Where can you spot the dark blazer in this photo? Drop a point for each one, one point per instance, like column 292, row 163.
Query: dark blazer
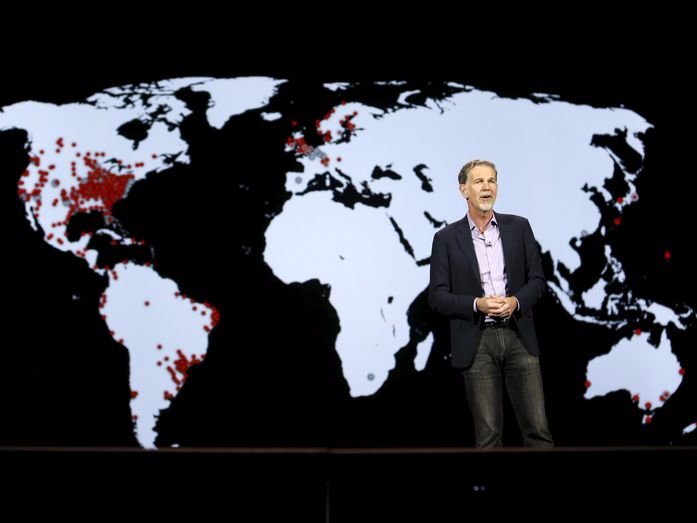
column 455, row 283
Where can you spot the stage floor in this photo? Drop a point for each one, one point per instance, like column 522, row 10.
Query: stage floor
column 309, row 484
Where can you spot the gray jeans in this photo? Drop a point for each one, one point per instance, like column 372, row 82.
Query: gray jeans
column 502, row 357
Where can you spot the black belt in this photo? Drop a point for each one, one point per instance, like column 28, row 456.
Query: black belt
column 497, row 324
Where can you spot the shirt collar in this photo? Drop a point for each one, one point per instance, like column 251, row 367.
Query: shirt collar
column 472, row 224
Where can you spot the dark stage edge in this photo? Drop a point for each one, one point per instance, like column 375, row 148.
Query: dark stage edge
column 317, row 484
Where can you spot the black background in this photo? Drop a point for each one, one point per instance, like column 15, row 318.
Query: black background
column 277, row 380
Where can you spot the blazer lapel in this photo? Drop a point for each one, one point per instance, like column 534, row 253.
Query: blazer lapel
column 506, row 241
column 464, row 240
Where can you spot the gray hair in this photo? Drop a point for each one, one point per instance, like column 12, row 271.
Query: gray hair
column 464, row 172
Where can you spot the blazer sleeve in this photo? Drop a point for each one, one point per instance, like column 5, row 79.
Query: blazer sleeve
column 441, row 297
column 535, row 283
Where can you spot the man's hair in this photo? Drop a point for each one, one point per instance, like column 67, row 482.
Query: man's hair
column 464, row 172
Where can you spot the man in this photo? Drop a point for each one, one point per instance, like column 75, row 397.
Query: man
column 486, row 275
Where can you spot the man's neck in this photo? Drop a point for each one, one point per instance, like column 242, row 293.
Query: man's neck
column 481, row 219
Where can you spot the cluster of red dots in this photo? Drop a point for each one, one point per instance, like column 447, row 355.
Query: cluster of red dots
column 648, row 405
column 215, row 315
column 100, row 186
column 346, row 122
column 300, row 145
column 179, row 371
column 99, row 190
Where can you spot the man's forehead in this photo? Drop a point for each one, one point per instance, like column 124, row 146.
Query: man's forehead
column 482, row 169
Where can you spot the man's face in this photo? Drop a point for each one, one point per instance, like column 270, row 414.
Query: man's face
column 480, row 189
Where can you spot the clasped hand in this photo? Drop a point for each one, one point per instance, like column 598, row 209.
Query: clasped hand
column 500, row 307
